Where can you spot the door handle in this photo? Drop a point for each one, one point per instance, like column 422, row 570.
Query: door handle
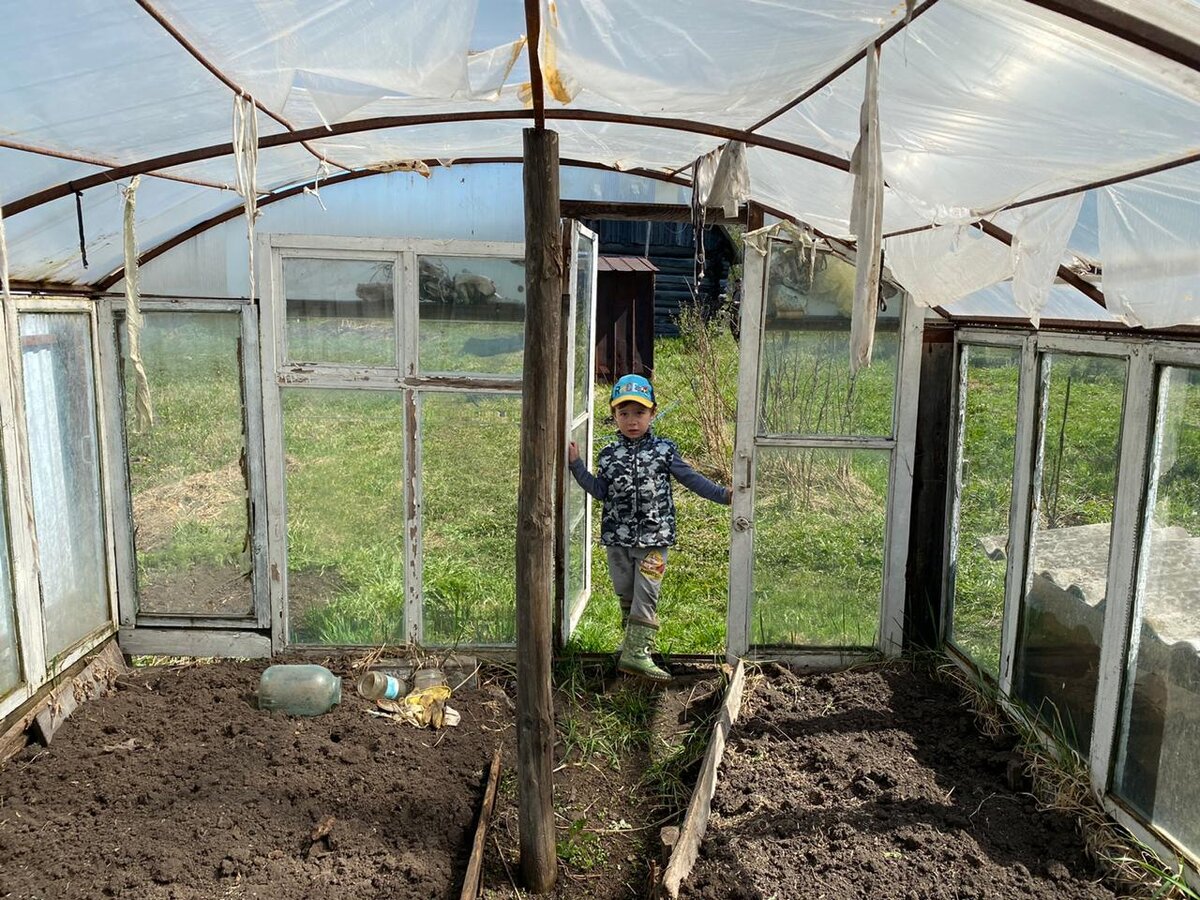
column 741, row 523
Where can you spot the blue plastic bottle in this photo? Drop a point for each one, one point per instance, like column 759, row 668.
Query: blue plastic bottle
column 299, row 690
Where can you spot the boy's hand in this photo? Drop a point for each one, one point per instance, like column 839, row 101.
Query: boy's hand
column 572, row 452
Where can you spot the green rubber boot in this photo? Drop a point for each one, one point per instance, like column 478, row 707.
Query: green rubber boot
column 635, row 654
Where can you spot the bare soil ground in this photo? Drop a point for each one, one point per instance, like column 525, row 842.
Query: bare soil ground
column 178, row 788
column 876, row 782
column 869, row 783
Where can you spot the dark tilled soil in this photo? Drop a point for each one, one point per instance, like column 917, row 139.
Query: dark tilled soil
column 877, row 783
column 179, row 787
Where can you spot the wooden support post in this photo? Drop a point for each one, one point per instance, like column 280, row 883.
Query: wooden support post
column 924, row 602
column 535, row 509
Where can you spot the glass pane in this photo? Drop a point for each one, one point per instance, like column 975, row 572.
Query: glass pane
column 340, row 311
column 805, row 383
column 470, row 451
column 819, row 520
column 989, row 433
column 472, row 313
column 1062, row 617
column 64, row 456
column 345, row 516
column 1160, row 721
column 10, row 659
column 185, row 473
column 578, row 532
column 584, row 287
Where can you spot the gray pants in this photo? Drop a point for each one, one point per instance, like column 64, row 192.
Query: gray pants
column 637, row 574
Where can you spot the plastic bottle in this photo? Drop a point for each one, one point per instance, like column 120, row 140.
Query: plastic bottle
column 300, row 690
column 424, row 678
column 381, row 686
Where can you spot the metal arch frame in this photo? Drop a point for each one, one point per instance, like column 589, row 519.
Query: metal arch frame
column 1092, row 13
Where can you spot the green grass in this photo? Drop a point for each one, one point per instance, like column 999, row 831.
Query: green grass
column 819, row 517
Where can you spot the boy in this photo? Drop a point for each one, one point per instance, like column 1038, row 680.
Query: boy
column 633, row 481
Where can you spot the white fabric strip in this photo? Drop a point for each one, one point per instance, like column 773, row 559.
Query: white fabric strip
column 143, row 407
column 866, row 219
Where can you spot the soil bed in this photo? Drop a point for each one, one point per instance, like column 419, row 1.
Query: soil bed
column 877, row 782
column 179, row 787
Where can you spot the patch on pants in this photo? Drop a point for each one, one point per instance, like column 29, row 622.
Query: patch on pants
column 653, row 566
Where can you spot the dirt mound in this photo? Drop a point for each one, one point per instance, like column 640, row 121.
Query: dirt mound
column 203, row 498
column 877, row 783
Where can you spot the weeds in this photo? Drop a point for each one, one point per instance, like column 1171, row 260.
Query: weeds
column 579, row 848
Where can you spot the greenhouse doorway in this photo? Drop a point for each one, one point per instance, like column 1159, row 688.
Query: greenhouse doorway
column 190, row 549
column 392, row 405
column 823, row 460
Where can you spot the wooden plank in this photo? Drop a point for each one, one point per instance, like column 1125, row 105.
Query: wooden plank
column 566, row 404
column 256, row 467
column 49, row 709
column 470, row 888
column 116, row 484
column 271, row 323
column 741, row 541
column 900, row 480
column 639, row 212
column 1030, row 416
column 191, row 642
column 1139, row 446
column 535, row 510
column 683, row 857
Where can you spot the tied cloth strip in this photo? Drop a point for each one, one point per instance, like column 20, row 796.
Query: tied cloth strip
column 866, row 220
column 245, row 155
column 143, row 407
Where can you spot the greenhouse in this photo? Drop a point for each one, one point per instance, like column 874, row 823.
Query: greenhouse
column 300, row 322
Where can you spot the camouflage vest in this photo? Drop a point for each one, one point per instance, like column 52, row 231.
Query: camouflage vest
column 639, row 511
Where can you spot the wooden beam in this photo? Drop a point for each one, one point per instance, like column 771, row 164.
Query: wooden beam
column 695, row 823
column 470, row 888
column 535, row 510
column 642, row 212
column 533, row 31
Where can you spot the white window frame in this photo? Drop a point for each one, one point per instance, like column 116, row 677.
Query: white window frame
column 1146, row 358
column 405, row 378
column 37, row 668
column 901, row 447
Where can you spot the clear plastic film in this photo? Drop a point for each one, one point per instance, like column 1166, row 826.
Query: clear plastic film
column 105, row 80
column 1150, row 244
column 731, row 65
column 344, row 53
column 941, row 265
column 984, row 102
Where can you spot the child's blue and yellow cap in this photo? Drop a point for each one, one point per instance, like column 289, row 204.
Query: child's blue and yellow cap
column 632, row 387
